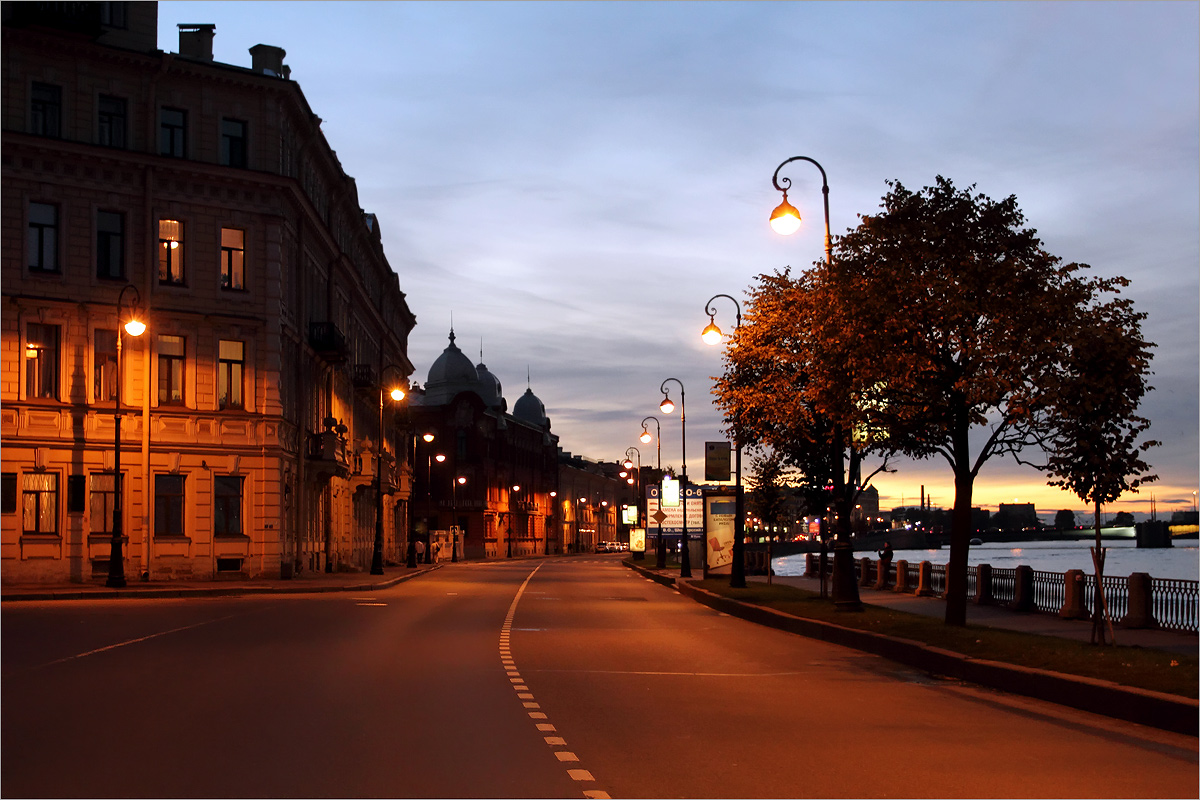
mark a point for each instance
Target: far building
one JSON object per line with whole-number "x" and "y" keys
{"x": 485, "y": 480}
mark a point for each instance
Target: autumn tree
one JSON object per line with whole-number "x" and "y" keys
{"x": 1095, "y": 450}
{"x": 953, "y": 327}
{"x": 780, "y": 390}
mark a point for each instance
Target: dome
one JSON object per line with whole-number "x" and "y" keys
{"x": 451, "y": 374}
{"x": 530, "y": 409}
{"x": 489, "y": 388}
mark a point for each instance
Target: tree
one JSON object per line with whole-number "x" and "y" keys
{"x": 767, "y": 500}
{"x": 952, "y": 320}
{"x": 781, "y": 376}
{"x": 1064, "y": 520}
{"x": 1094, "y": 450}
{"x": 1123, "y": 519}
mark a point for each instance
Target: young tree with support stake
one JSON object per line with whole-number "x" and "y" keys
{"x": 1094, "y": 450}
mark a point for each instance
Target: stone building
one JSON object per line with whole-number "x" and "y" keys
{"x": 488, "y": 475}
{"x": 203, "y": 198}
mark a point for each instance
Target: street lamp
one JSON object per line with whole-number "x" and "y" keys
{"x": 785, "y": 219}
{"x": 737, "y": 573}
{"x": 397, "y": 394}
{"x": 427, "y": 437}
{"x": 459, "y": 481}
{"x": 134, "y": 327}
{"x": 660, "y": 554}
{"x": 666, "y": 406}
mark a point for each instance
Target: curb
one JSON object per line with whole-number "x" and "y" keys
{"x": 1107, "y": 698}
{"x": 192, "y": 591}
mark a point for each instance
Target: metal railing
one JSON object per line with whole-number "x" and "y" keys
{"x": 1174, "y": 603}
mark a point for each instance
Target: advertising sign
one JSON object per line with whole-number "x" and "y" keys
{"x": 637, "y": 540}
{"x": 672, "y": 519}
{"x": 629, "y": 515}
{"x": 716, "y": 461}
{"x": 670, "y": 492}
{"x": 720, "y": 513}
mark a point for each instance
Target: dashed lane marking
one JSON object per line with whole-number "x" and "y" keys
{"x": 529, "y": 701}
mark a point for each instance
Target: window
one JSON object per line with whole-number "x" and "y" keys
{"x": 104, "y": 365}
{"x": 168, "y": 505}
{"x": 43, "y": 237}
{"x": 111, "y": 118}
{"x": 233, "y": 143}
{"x": 170, "y": 370}
{"x": 110, "y": 245}
{"x": 40, "y": 503}
{"x": 227, "y": 505}
{"x": 172, "y": 134}
{"x": 102, "y": 497}
{"x": 113, "y": 15}
{"x": 41, "y": 361}
{"x": 8, "y": 493}
{"x": 231, "y": 365}
{"x": 233, "y": 254}
{"x": 45, "y": 110}
{"x": 170, "y": 252}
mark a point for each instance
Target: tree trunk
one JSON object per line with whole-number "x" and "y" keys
{"x": 960, "y": 544}
{"x": 960, "y": 525}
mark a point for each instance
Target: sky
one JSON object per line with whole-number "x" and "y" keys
{"x": 569, "y": 183}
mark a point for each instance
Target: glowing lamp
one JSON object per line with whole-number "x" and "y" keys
{"x": 666, "y": 406}
{"x": 645, "y": 437}
{"x": 711, "y": 334}
{"x": 785, "y": 219}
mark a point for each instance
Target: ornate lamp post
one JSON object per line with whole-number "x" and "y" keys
{"x": 737, "y": 574}
{"x": 785, "y": 219}
{"x": 459, "y": 481}
{"x": 397, "y": 394}
{"x": 666, "y": 407}
{"x": 660, "y": 553}
{"x": 134, "y": 327}
{"x": 412, "y": 540}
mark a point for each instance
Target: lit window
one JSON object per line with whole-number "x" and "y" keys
{"x": 40, "y": 502}
{"x": 41, "y": 361}
{"x": 233, "y": 255}
{"x": 170, "y": 370}
{"x": 170, "y": 252}
{"x": 104, "y": 365}
{"x": 231, "y": 366}
{"x": 101, "y": 498}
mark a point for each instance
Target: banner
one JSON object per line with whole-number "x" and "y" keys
{"x": 720, "y": 513}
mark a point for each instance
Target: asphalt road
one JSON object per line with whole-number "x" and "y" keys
{"x": 557, "y": 678}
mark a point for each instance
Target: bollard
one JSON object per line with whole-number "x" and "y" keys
{"x": 811, "y": 565}
{"x": 1023, "y": 599}
{"x": 864, "y": 571}
{"x": 1141, "y": 603}
{"x": 983, "y": 585}
{"x": 881, "y": 574}
{"x": 1073, "y": 605}
{"x": 925, "y": 579}
{"x": 901, "y": 577}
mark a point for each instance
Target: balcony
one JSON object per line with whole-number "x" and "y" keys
{"x": 327, "y": 452}
{"x": 328, "y": 341}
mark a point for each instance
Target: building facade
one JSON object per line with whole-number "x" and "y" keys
{"x": 203, "y": 199}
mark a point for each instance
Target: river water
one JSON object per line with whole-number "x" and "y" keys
{"x": 1182, "y": 561}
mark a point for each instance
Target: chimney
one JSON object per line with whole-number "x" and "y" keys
{"x": 196, "y": 41}
{"x": 267, "y": 59}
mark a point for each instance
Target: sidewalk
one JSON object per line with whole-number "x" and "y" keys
{"x": 304, "y": 584}
{"x": 1001, "y": 617}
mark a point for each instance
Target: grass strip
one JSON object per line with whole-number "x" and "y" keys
{"x": 1145, "y": 668}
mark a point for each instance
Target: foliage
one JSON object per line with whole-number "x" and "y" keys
{"x": 1095, "y": 451}
{"x": 776, "y": 390}
{"x": 939, "y": 316}
{"x": 1123, "y": 519}
{"x": 1064, "y": 520}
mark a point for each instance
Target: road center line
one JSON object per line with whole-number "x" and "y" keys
{"x": 135, "y": 641}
